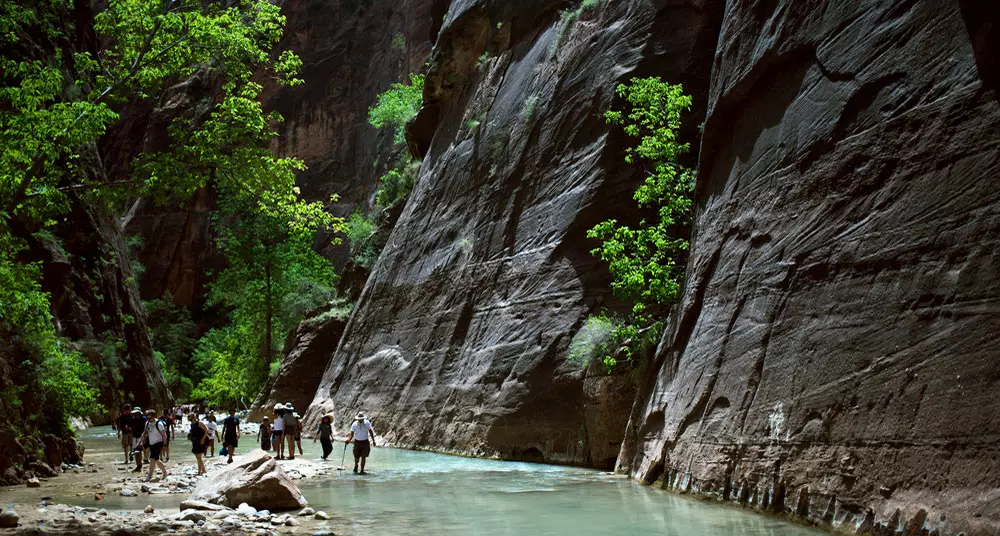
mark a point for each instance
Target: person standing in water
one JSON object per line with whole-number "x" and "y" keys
{"x": 124, "y": 418}
{"x": 298, "y": 434}
{"x": 198, "y": 437}
{"x": 363, "y": 436}
{"x": 136, "y": 425}
{"x": 213, "y": 434}
{"x": 264, "y": 434}
{"x": 168, "y": 422}
{"x": 279, "y": 431}
{"x": 325, "y": 434}
{"x": 155, "y": 434}
{"x": 291, "y": 429}
{"x": 231, "y": 434}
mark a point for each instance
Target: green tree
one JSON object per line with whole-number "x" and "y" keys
{"x": 58, "y": 98}
{"x": 273, "y": 276}
{"x": 644, "y": 260}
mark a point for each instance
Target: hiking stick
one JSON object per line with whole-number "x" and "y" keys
{"x": 342, "y": 458}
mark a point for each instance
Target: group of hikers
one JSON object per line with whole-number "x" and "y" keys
{"x": 146, "y": 436}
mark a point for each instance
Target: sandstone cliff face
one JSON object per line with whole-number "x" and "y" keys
{"x": 833, "y": 355}
{"x": 459, "y": 340}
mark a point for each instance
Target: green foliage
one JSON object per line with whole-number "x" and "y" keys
{"x": 338, "y": 309}
{"x": 594, "y": 341}
{"x": 360, "y": 232}
{"x": 235, "y": 370}
{"x": 394, "y": 108}
{"x": 174, "y": 336}
{"x": 359, "y": 229}
{"x": 54, "y": 109}
{"x": 399, "y": 42}
{"x": 272, "y": 278}
{"x": 60, "y": 373}
{"x": 644, "y": 260}
{"x": 530, "y": 109}
{"x": 396, "y": 184}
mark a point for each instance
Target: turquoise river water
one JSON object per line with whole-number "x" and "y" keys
{"x": 417, "y": 493}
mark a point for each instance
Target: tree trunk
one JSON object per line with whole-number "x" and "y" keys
{"x": 268, "y": 317}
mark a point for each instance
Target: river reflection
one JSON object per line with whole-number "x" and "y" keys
{"x": 418, "y": 493}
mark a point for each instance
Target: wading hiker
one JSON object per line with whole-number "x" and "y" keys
{"x": 264, "y": 434}
{"x": 298, "y": 434}
{"x": 213, "y": 434}
{"x": 198, "y": 436}
{"x": 361, "y": 431}
{"x": 291, "y": 429}
{"x": 279, "y": 431}
{"x": 155, "y": 435}
{"x": 325, "y": 434}
{"x": 136, "y": 425}
{"x": 231, "y": 434}
{"x": 124, "y": 418}
{"x": 168, "y": 423}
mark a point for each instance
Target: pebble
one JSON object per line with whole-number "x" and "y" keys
{"x": 193, "y": 515}
{"x": 98, "y": 496}
{"x": 291, "y": 522}
{"x": 34, "y": 483}
{"x": 149, "y": 509}
{"x": 245, "y": 509}
{"x": 92, "y": 519}
{"x": 9, "y": 519}
{"x": 307, "y": 512}
{"x": 321, "y": 515}
{"x": 127, "y": 493}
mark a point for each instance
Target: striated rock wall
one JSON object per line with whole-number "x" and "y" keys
{"x": 459, "y": 340}
{"x": 834, "y": 353}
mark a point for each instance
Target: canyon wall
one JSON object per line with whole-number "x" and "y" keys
{"x": 459, "y": 340}
{"x": 833, "y": 356}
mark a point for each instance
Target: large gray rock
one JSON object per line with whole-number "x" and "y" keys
{"x": 459, "y": 340}
{"x": 836, "y": 345}
{"x": 255, "y": 479}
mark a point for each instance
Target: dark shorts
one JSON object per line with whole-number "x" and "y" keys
{"x": 154, "y": 451}
{"x": 362, "y": 449}
{"x": 278, "y": 433}
{"x": 197, "y": 448}
{"x": 231, "y": 441}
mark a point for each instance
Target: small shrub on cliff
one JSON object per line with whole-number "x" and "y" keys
{"x": 397, "y": 106}
{"x": 644, "y": 259}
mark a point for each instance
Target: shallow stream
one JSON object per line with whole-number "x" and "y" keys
{"x": 418, "y": 493}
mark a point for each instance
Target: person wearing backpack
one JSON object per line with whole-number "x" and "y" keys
{"x": 291, "y": 429}
{"x": 168, "y": 423}
{"x": 154, "y": 433}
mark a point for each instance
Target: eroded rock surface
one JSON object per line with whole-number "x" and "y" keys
{"x": 833, "y": 355}
{"x": 459, "y": 340}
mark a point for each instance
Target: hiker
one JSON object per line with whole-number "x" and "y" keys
{"x": 154, "y": 434}
{"x": 291, "y": 429}
{"x": 361, "y": 430}
{"x": 264, "y": 434}
{"x": 298, "y": 434}
{"x": 231, "y": 434}
{"x": 136, "y": 425}
{"x": 279, "y": 430}
{"x": 124, "y": 418}
{"x": 198, "y": 437}
{"x": 168, "y": 423}
{"x": 213, "y": 433}
{"x": 325, "y": 434}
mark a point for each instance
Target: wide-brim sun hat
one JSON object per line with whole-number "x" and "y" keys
{"x": 278, "y": 406}
{"x": 137, "y": 410}
{"x": 360, "y": 416}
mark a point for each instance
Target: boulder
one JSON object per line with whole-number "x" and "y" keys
{"x": 307, "y": 512}
{"x": 34, "y": 483}
{"x": 322, "y": 516}
{"x": 193, "y": 515}
{"x": 128, "y": 493}
{"x": 255, "y": 479}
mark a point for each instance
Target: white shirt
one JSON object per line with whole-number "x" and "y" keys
{"x": 212, "y": 427}
{"x": 361, "y": 431}
{"x": 155, "y": 432}
{"x": 279, "y": 425}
